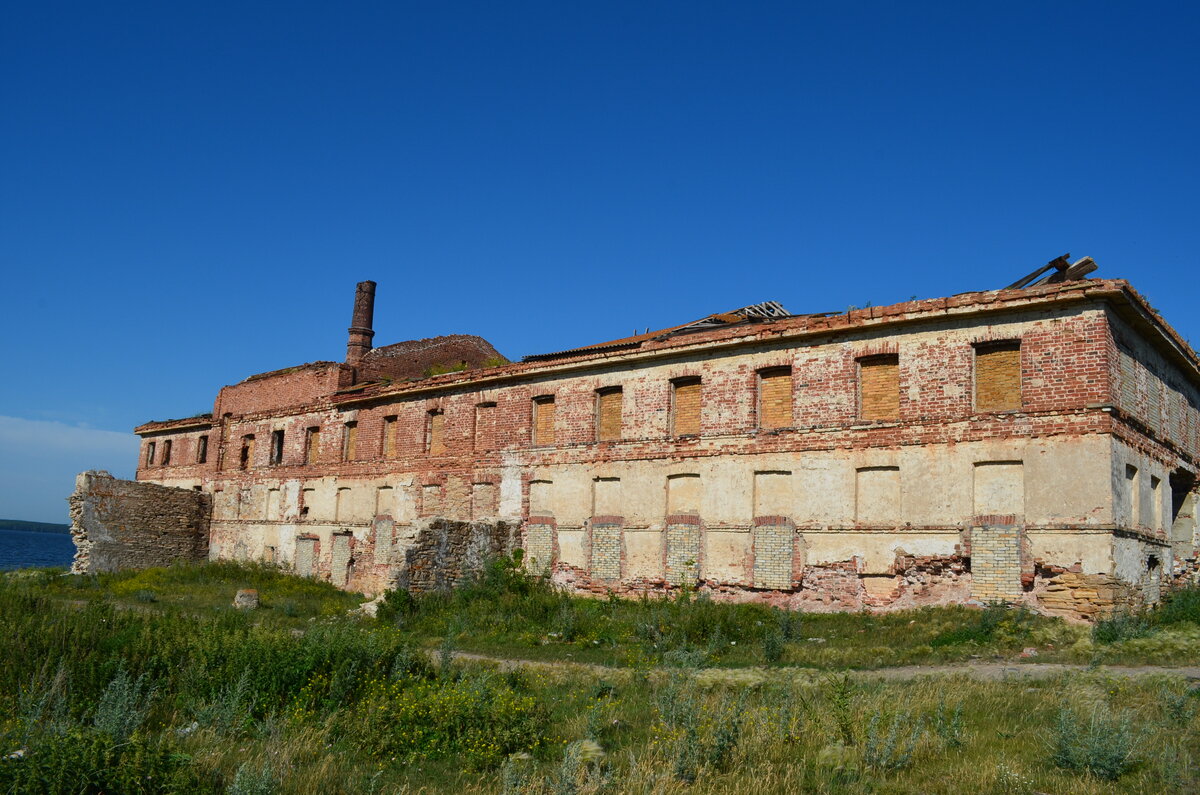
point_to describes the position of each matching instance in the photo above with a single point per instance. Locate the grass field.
(152, 682)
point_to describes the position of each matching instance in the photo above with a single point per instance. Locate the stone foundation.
(1083, 596)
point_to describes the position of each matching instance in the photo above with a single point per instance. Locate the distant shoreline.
(34, 527)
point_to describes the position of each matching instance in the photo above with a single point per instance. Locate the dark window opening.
(150, 454)
(202, 450)
(276, 447)
(166, 456)
(246, 458)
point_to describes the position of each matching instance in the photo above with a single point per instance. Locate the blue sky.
(190, 191)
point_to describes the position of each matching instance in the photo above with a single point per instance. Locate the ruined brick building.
(1038, 443)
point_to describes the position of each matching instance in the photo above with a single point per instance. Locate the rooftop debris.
(1064, 271)
(765, 311)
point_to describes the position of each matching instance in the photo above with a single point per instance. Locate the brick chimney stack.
(361, 332)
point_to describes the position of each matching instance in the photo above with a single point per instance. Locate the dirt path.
(981, 671)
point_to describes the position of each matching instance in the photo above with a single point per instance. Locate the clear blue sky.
(190, 191)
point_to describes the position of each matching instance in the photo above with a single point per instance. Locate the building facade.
(1036, 445)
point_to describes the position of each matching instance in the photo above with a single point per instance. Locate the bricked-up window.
(879, 387)
(389, 437)
(608, 414)
(685, 407)
(485, 426)
(276, 447)
(150, 447)
(166, 455)
(437, 433)
(775, 397)
(998, 376)
(312, 445)
(543, 419)
(349, 441)
(202, 450)
(246, 458)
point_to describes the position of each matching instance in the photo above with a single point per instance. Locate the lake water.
(19, 550)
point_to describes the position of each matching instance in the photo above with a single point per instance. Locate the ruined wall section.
(123, 524)
(1156, 458)
(1154, 394)
(444, 553)
(415, 358)
(282, 389)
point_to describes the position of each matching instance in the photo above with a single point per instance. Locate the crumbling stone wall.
(124, 524)
(446, 553)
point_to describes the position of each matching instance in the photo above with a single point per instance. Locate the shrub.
(996, 622)
(892, 750)
(841, 705)
(1123, 626)
(687, 755)
(482, 717)
(123, 706)
(773, 646)
(253, 781)
(83, 760)
(1179, 606)
(1103, 746)
(725, 738)
(949, 727)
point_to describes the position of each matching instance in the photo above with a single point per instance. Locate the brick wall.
(879, 387)
(605, 561)
(773, 551)
(996, 563)
(998, 377)
(539, 546)
(683, 550)
(608, 414)
(775, 408)
(686, 407)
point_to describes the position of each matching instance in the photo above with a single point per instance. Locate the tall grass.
(103, 692)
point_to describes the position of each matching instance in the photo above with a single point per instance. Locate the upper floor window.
(685, 407)
(202, 450)
(349, 441)
(608, 414)
(775, 398)
(276, 447)
(389, 437)
(998, 376)
(879, 387)
(485, 425)
(150, 448)
(166, 453)
(437, 433)
(246, 458)
(543, 419)
(312, 445)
